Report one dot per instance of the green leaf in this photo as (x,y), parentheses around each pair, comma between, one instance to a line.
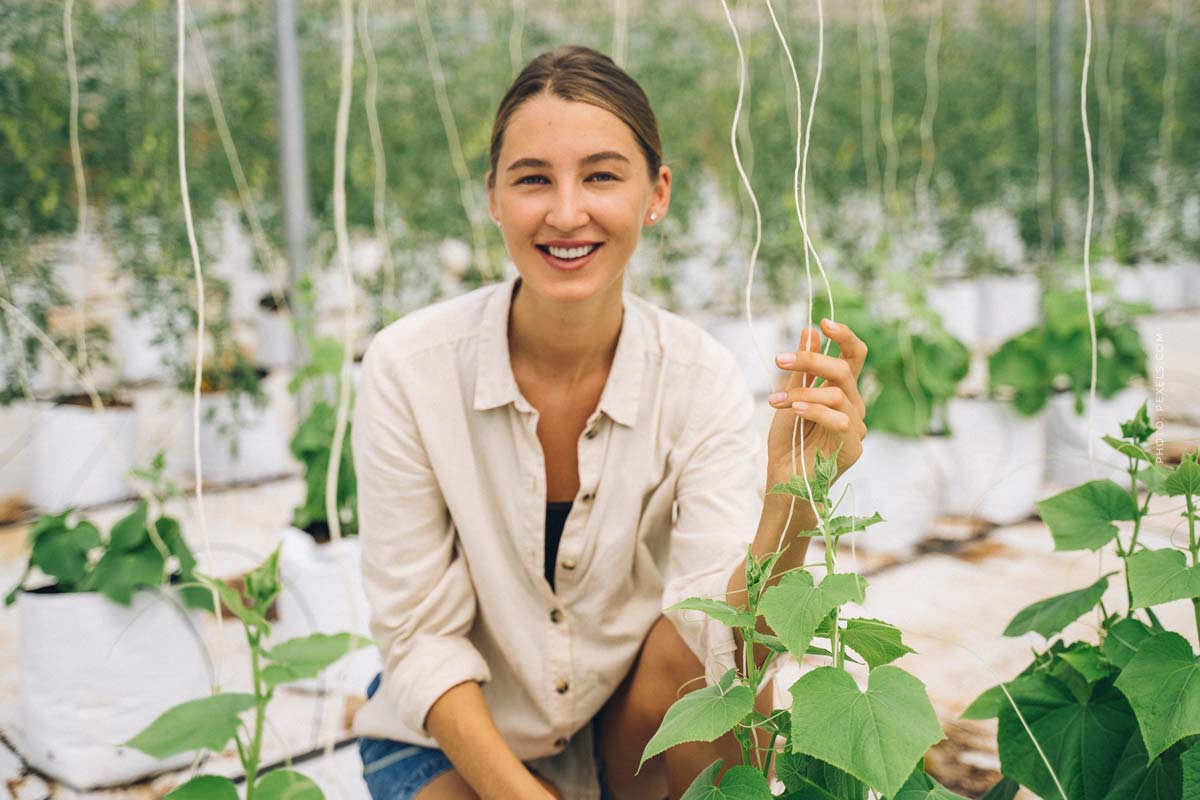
(129,531)
(1051,615)
(1155,478)
(262,583)
(285,784)
(1081,518)
(1082,739)
(1004,789)
(1162,683)
(1138,778)
(1160,576)
(808,778)
(205,724)
(920,786)
(738,783)
(702,715)
(234,602)
(795,486)
(1185,479)
(118,575)
(62,553)
(794,607)
(1138,428)
(876,641)
(839,526)
(305,656)
(1122,641)
(204,787)
(1128,449)
(719,610)
(1085,659)
(987,705)
(876,735)
(703,782)
(1191,770)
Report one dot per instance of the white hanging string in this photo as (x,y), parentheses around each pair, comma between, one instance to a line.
(886,101)
(515,52)
(81,357)
(1045,186)
(866,98)
(465,185)
(620,30)
(199,277)
(932,87)
(371,103)
(1106,131)
(1166,128)
(1087,231)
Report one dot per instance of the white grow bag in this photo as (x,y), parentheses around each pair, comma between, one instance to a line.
(1067,436)
(958,304)
(994,461)
(322,593)
(897,477)
(273,330)
(95,673)
(1009,304)
(259,448)
(81,457)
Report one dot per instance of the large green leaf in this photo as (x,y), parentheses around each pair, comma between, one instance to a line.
(794,607)
(1082,739)
(702,715)
(839,526)
(1137,778)
(305,656)
(876,641)
(62,553)
(1003,789)
(1162,683)
(1160,576)
(1190,761)
(118,574)
(1129,449)
(920,786)
(719,610)
(205,724)
(285,784)
(204,787)
(1123,639)
(129,531)
(738,783)
(1086,660)
(808,778)
(1051,615)
(877,735)
(1184,479)
(1081,518)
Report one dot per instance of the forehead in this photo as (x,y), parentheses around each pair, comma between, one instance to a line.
(558,130)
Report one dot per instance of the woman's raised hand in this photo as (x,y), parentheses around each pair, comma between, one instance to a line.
(832,413)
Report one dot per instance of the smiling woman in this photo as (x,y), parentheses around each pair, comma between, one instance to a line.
(547,465)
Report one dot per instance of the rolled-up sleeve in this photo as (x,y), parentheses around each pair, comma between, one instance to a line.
(422,601)
(718,509)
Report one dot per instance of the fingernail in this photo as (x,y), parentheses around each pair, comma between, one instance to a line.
(800,406)
(831,325)
(786,358)
(778,397)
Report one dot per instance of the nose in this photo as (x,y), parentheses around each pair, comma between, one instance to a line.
(567,210)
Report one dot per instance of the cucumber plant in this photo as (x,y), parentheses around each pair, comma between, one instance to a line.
(840,742)
(211,722)
(1121,718)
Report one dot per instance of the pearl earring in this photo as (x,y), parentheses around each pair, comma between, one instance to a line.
(653,216)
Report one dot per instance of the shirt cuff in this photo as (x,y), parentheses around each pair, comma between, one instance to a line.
(432,667)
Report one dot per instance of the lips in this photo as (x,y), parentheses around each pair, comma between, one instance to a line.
(567,265)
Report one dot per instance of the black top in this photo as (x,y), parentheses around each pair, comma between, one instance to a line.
(556,517)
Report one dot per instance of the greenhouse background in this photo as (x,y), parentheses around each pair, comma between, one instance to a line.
(947,197)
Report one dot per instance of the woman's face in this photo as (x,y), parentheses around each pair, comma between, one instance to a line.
(572,173)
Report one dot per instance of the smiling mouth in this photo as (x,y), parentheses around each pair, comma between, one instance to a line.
(591,249)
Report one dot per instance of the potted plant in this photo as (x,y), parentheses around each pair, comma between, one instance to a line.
(1117,717)
(838,741)
(322,583)
(209,723)
(1049,366)
(99,616)
(273,331)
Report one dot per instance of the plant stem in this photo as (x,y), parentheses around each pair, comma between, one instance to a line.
(1194,547)
(259,717)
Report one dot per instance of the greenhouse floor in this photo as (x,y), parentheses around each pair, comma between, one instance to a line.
(934,596)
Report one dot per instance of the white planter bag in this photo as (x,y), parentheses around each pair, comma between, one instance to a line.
(897,477)
(1166,285)
(273,330)
(247,446)
(1009,304)
(958,305)
(993,463)
(140,358)
(757,364)
(1067,437)
(322,593)
(95,673)
(1169,341)
(80,456)
(18,426)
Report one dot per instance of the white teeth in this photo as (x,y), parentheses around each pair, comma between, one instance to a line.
(571,252)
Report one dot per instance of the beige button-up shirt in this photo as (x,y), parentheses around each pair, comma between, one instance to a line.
(452,491)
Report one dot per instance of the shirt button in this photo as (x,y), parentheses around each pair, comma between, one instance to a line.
(587,498)
(555,615)
(562,686)
(591,434)
(560,743)
(568,564)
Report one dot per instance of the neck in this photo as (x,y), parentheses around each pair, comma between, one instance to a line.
(565,341)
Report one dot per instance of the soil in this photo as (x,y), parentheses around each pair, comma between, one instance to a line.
(206,385)
(84,400)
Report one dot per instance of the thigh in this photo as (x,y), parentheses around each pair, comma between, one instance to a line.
(398,770)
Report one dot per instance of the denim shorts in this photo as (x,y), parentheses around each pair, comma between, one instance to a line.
(398,770)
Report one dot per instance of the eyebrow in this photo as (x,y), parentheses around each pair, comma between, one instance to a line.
(604,155)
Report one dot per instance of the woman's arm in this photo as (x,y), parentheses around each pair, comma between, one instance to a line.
(464,728)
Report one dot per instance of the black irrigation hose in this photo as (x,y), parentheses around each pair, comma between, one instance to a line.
(307,755)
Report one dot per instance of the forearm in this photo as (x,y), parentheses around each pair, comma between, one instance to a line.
(462,724)
(770,526)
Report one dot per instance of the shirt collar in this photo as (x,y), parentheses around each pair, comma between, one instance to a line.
(494,382)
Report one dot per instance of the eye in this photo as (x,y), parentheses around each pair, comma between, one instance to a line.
(596,175)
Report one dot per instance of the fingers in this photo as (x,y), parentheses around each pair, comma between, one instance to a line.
(847,418)
(837,371)
(854,350)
